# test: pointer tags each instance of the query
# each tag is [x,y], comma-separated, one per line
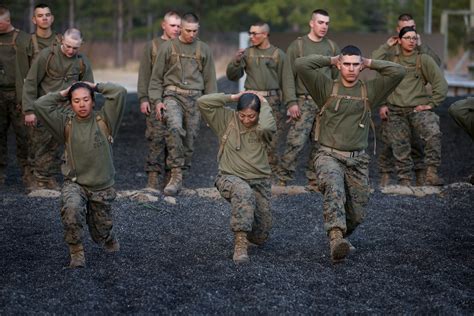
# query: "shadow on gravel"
[414,255]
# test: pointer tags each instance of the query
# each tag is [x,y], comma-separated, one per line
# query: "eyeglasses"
[408,38]
[254,33]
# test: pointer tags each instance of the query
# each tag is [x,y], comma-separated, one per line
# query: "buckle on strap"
[305,96]
[347,154]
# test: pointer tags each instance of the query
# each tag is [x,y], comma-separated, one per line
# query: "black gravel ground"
[414,255]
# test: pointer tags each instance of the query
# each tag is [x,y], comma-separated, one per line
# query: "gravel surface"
[414,255]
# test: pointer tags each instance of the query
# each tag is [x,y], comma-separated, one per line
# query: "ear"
[311,23]
[33,20]
[52,18]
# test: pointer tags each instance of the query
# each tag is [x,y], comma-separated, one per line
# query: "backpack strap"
[196,56]
[317,127]
[300,46]
[13,42]
[230,126]
[154,50]
[252,54]
[34,40]
[418,68]
[50,73]
[104,127]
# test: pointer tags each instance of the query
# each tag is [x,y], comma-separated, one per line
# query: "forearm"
[234,70]
[114,106]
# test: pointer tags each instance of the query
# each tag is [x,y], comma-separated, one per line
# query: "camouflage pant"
[275,103]
[462,113]
[344,183]
[155,135]
[298,134]
[250,200]
[385,158]
[182,123]
[426,125]
[80,206]
[10,114]
[44,155]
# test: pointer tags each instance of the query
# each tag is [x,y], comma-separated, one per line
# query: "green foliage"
[97,19]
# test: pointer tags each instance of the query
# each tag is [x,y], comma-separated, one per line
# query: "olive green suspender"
[275,56]
[34,40]
[335,95]
[68,138]
[233,123]
[13,42]
[57,76]
[417,67]
[197,56]
[154,50]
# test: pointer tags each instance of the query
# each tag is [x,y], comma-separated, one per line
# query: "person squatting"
[50,88]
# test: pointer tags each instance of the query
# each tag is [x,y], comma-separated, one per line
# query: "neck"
[407,53]
[315,38]
[44,33]
[263,45]
[165,37]
[348,84]
[10,28]
[183,41]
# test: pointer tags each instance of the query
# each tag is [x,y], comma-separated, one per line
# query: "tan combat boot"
[28,179]
[152,180]
[338,245]
[420,177]
[431,177]
[52,184]
[112,246]
[175,183]
[240,248]
[384,179]
[78,259]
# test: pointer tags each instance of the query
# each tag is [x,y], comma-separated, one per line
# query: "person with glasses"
[385,159]
[342,130]
[301,108]
[184,70]
[155,165]
[409,109]
[263,64]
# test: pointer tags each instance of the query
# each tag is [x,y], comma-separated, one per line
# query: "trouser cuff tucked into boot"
[338,245]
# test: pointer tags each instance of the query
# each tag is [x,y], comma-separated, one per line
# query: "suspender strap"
[230,126]
[196,57]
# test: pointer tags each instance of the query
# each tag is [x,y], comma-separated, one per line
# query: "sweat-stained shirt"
[181,69]
[345,126]
[412,90]
[264,68]
[89,160]
[60,73]
[250,160]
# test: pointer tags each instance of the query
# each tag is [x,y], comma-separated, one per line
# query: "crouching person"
[87,193]
[244,170]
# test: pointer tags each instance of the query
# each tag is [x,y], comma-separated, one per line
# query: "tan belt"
[305,96]
[267,93]
[181,91]
[348,154]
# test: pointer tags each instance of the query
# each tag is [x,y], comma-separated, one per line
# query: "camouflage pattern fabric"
[250,200]
[44,154]
[11,114]
[404,122]
[275,103]
[80,206]
[344,183]
[155,135]
[298,134]
[182,122]
[385,158]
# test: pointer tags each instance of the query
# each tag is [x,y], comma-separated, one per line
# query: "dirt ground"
[414,255]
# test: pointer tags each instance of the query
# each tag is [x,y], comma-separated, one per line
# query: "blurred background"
[115,31]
